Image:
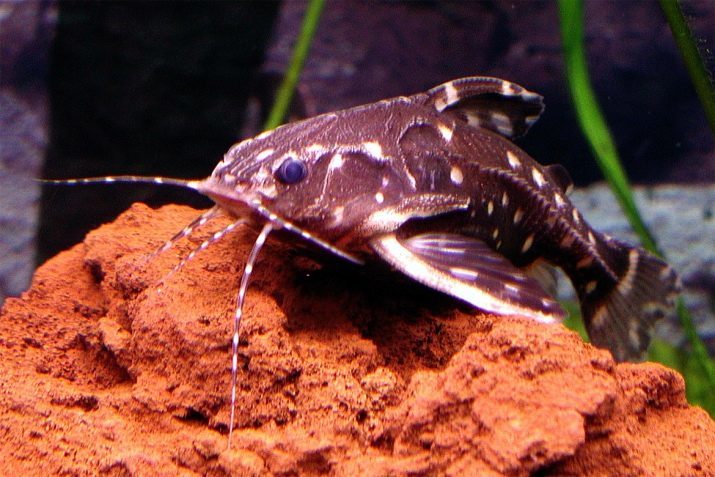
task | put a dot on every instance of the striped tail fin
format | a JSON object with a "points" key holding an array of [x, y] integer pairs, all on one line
{"points": [[623, 318]]}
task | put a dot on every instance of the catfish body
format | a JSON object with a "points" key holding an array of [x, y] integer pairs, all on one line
{"points": [[433, 185]]}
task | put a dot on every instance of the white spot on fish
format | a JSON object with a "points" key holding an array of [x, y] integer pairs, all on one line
{"points": [[315, 148], [490, 208], [495, 234], [591, 286], [336, 162], [379, 198], [373, 148], [451, 92], [338, 214], [518, 215], [508, 89], [445, 131], [538, 177], [527, 243], [456, 175], [264, 154], [576, 216], [504, 199], [514, 161], [591, 238], [559, 200]]}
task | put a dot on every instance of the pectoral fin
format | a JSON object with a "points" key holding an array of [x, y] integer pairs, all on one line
{"points": [[544, 273], [469, 269]]}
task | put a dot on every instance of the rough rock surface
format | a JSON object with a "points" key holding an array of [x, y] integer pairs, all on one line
{"points": [[350, 372]]}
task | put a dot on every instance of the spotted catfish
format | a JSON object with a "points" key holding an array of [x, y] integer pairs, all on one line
{"points": [[433, 185]]}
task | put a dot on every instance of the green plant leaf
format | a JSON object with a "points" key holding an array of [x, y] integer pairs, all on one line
{"points": [[286, 90], [691, 56]]}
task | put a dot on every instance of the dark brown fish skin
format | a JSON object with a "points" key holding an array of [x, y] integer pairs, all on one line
{"points": [[440, 161]]}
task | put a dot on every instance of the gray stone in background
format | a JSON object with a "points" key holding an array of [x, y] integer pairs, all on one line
{"points": [[26, 30], [682, 218]]}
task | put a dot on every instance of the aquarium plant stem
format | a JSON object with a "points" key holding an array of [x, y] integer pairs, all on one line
{"points": [[693, 61], [300, 52], [591, 119]]}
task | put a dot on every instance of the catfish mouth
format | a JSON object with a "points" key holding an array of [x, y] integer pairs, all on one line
{"points": [[238, 200], [247, 204]]}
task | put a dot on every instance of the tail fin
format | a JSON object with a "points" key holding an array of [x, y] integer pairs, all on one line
{"points": [[623, 319]]}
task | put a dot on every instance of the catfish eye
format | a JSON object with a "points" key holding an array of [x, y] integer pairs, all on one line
{"points": [[291, 171]]}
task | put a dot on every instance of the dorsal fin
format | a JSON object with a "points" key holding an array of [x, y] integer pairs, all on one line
{"points": [[490, 103], [560, 176]]}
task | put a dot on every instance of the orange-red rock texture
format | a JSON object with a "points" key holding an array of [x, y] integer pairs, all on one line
{"points": [[342, 371]]}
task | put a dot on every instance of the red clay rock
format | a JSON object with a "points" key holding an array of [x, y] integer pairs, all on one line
{"points": [[343, 371]]}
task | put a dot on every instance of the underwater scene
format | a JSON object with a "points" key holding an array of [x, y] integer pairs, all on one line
{"points": [[358, 237]]}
